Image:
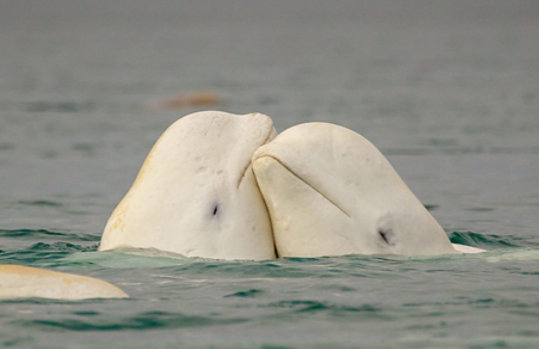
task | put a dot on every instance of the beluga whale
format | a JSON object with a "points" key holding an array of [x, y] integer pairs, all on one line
{"points": [[18, 281], [196, 194], [330, 192]]}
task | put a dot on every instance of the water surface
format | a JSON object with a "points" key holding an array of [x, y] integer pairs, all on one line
{"points": [[449, 91]]}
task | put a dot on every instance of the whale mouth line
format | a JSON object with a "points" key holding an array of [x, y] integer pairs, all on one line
{"points": [[285, 166], [249, 162]]}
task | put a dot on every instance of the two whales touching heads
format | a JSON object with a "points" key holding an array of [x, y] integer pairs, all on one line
{"points": [[219, 185], [329, 191], [196, 194], [225, 186]]}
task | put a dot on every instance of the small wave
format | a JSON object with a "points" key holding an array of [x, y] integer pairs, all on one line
{"points": [[487, 240], [312, 306], [28, 233], [246, 294], [146, 321], [40, 203], [59, 246], [43, 253], [41, 247], [432, 207], [44, 233]]}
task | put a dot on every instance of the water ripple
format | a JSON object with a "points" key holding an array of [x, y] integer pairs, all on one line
{"points": [[39, 203], [44, 233], [487, 241], [145, 321], [313, 306], [246, 294]]}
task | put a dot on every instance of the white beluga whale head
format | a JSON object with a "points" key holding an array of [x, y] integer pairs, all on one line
{"points": [[329, 191], [196, 195]]}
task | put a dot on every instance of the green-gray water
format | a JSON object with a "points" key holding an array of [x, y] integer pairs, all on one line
{"points": [[448, 90]]}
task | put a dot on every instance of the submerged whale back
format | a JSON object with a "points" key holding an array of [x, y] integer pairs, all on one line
{"points": [[18, 281]]}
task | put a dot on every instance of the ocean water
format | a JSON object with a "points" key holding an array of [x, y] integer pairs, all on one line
{"points": [[448, 90]]}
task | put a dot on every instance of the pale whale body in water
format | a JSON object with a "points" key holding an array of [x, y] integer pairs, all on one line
{"points": [[196, 194], [325, 189], [329, 191], [18, 281]]}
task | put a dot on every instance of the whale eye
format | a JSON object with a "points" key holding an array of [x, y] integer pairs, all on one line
{"points": [[215, 209], [385, 234]]}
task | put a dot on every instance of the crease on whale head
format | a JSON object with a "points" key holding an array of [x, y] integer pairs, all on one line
{"points": [[195, 194], [329, 191]]}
